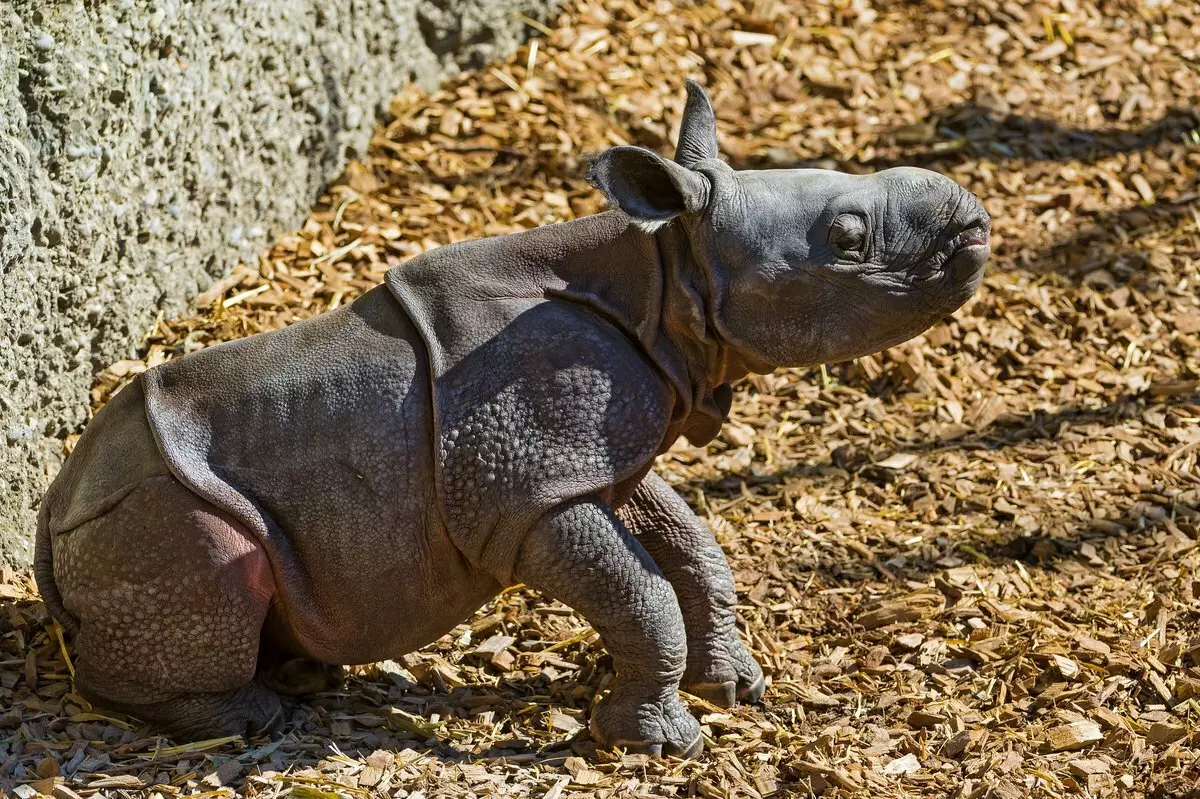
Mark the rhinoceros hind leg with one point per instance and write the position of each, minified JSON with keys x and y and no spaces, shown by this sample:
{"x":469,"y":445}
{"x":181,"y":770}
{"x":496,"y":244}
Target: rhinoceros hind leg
{"x":171,"y":594}
{"x":249,"y":711}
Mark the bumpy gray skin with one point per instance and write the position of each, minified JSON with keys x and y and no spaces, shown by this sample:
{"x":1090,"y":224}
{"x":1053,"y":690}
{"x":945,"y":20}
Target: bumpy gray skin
{"x":350,"y":488}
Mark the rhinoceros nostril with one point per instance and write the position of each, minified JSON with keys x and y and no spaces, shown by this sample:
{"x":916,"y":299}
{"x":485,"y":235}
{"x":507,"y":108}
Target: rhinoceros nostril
{"x":975,"y":223}
{"x":972,"y":231}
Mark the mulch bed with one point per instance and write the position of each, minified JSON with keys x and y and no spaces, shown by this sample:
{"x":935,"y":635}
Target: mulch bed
{"x":968,"y":564}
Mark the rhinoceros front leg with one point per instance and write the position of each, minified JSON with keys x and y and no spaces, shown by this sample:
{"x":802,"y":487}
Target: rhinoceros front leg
{"x":582,"y":555}
{"x":719,"y":667}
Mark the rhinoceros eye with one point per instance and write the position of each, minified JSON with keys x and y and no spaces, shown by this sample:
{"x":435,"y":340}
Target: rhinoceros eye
{"x":848,"y":235}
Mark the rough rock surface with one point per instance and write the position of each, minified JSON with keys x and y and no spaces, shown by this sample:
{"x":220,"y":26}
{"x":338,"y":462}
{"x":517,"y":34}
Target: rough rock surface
{"x":144,"y":150}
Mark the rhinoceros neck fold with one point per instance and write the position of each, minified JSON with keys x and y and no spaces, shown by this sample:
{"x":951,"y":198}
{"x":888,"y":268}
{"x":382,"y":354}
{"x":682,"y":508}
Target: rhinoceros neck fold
{"x":686,"y":319}
{"x":639,"y":282}
{"x":610,"y":266}
{"x":651,"y":286}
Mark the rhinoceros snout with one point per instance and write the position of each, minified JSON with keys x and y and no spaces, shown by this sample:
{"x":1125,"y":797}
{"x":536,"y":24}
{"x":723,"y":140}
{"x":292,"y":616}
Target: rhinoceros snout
{"x":968,"y":238}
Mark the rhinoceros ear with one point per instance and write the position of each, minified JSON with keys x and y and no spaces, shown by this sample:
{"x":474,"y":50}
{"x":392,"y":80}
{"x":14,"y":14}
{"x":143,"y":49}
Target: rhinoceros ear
{"x":698,"y":132}
{"x":647,"y":186}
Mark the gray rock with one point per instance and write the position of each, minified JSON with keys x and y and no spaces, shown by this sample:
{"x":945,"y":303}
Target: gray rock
{"x":139,"y":145}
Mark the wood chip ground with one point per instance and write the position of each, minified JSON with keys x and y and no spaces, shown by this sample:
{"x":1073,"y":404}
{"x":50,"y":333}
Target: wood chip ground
{"x":968,"y":565}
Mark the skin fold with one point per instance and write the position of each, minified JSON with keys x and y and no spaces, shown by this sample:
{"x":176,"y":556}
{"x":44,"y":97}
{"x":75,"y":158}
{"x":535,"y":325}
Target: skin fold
{"x":352,"y":487}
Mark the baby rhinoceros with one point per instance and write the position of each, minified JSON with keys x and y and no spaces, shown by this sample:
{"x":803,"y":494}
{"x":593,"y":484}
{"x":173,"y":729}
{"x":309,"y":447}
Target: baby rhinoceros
{"x":350,"y":488}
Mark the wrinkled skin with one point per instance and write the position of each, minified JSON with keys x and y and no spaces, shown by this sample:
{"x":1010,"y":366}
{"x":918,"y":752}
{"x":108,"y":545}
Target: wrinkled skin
{"x":350,"y":488}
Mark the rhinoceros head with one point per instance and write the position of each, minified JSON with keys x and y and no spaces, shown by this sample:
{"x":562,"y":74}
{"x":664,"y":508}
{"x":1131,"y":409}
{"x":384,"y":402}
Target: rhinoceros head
{"x":805,"y":266}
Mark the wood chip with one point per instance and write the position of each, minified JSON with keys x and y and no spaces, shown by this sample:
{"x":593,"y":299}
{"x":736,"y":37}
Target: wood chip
{"x":1076,"y":735}
{"x":1166,"y":733}
{"x":907,"y":764}
{"x":1084,"y":767}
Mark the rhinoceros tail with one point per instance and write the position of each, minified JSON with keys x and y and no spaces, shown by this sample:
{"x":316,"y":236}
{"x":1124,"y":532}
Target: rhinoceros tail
{"x":43,"y":572}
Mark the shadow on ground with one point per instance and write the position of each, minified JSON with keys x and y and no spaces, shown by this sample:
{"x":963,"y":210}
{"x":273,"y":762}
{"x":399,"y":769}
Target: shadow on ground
{"x":377,"y":708}
{"x":1113,"y":240}
{"x":993,"y":535}
{"x":969,"y":132}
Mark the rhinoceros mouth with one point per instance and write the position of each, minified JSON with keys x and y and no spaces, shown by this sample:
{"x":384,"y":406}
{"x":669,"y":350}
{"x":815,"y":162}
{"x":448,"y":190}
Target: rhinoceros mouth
{"x":976,"y":236}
